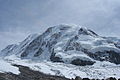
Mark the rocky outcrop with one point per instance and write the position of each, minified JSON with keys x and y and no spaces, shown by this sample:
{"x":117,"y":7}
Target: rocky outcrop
{"x":110,"y":56}
{"x":78,"y":78}
{"x":81,"y":62}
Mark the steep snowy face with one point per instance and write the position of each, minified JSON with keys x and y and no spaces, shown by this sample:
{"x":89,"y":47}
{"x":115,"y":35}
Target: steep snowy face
{"x":8,"y":50}
{"x":69,"y":44}
{"x":85,"y":31}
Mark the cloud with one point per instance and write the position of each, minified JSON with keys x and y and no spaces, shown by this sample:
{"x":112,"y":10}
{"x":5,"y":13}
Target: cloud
{"x":32,"y":16}
{"x":7,"y":38}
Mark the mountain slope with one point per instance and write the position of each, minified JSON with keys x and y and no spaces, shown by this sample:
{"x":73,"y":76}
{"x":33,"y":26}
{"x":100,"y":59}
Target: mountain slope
{"x":65,"y":50}
{"x":69,"y":44}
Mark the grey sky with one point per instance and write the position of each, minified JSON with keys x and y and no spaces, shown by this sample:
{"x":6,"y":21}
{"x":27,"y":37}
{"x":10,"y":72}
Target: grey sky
{"x":19,"y":18}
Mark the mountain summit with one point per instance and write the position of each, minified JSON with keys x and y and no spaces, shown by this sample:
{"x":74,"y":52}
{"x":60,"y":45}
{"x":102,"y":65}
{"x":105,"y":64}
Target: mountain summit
{"x":68,"y":44}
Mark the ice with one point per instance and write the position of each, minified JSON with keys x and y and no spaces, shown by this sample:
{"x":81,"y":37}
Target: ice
{"x":7,"y":67}
{"x":68,"y":42}
{"x":99,"y":70}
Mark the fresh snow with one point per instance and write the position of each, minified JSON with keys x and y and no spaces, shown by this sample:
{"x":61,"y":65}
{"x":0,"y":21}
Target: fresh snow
{"x":100,"y":70}
{"x":86,"y":40}
{"x":7,"y":67}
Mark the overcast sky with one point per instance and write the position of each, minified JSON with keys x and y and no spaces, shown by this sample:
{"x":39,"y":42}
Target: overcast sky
{"x":19,"y":18}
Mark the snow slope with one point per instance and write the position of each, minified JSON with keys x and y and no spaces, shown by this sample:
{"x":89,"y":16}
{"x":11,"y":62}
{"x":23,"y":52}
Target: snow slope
{"x":100,"y":70}
{"x":68,"y":44}
{"x":7,"y":67}
{"x":54,"y":52}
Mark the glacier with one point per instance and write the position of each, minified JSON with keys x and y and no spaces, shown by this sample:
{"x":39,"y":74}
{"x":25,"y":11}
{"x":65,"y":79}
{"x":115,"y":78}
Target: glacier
{"x":67,"y":50}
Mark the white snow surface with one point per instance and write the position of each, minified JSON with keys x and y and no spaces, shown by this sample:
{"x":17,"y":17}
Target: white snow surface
{"x":91,"y":42}
{"x":100,"y":70}
{"x":7,"y":67}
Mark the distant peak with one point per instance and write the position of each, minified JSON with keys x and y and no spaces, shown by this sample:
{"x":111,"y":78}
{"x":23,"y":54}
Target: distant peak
{"x":67,"y":26}
{"x":72,"y":27}
{"x":85,"y":31}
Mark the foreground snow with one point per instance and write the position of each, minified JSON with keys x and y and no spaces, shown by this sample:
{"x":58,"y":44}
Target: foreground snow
{"x":7,"y":67}
{"x":98,"y":70}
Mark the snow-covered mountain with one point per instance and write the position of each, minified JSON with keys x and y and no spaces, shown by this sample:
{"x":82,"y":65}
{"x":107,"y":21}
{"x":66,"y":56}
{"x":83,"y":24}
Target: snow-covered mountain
{"x":69,"y":44}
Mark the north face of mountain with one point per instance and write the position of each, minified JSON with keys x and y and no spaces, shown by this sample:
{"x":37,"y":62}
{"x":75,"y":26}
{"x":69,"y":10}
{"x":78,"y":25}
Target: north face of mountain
{"x":68,"y":44}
